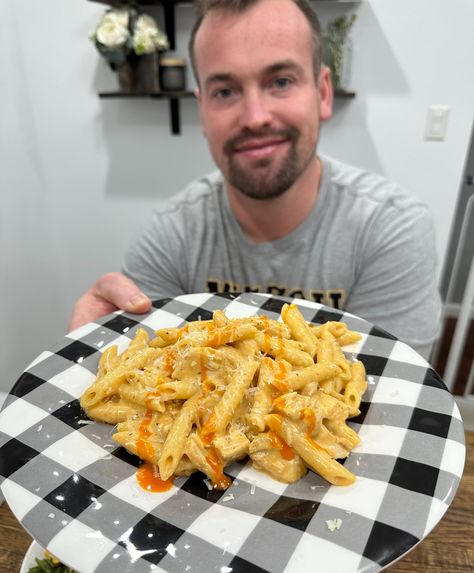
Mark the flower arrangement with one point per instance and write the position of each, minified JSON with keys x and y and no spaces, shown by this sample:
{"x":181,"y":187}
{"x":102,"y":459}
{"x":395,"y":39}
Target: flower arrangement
{"x":124,"y":32}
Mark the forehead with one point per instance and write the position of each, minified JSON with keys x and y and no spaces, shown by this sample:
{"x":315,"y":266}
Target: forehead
{"x":267,"y":32}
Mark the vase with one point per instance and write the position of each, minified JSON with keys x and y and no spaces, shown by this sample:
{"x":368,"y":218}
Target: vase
{"x":139,"y":74}
{"x":338,"y":57}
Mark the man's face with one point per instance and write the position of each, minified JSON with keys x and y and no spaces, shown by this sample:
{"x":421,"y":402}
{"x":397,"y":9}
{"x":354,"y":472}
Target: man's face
{"x":260,"y":103}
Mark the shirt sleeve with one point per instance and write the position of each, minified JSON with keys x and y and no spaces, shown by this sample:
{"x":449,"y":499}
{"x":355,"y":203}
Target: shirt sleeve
{"x":396,"y":282}
{"x":155,"y":260}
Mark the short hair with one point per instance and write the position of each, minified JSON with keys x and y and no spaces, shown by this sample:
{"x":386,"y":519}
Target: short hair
{"x":203,"y":7}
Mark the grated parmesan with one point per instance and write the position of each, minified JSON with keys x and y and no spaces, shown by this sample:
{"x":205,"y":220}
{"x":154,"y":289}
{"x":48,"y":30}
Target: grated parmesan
{"x":334,"y":524}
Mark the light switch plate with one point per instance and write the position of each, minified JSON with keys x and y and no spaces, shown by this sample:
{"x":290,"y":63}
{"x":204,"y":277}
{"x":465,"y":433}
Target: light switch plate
{"x":437,"y":122}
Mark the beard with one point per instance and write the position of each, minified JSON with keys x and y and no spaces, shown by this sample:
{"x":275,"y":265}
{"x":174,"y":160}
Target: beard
{"x":266,"y":179}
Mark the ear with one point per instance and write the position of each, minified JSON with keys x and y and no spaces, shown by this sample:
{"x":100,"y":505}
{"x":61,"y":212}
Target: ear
{"x":197,"y":93}
{"x":326,"y":93}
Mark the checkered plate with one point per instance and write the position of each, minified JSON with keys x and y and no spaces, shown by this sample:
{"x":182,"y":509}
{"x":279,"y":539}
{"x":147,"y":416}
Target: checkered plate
{"x":74,"y":490}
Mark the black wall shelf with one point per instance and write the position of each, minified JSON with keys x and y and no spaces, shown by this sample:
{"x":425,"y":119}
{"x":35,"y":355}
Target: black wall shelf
{"x":343,"y":94}
{"x":170,"y":31}
{"x":173,"y":97}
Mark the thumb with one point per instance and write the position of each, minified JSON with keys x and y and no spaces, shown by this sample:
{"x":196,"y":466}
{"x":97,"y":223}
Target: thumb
{"x":122,"y":292}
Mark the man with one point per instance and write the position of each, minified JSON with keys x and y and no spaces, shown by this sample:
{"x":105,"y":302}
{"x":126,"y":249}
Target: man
{"x":278,"y":217}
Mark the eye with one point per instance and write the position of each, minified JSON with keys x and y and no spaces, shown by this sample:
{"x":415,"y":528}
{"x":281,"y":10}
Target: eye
{"x":222,"y":93}
{"x":282,"y":83}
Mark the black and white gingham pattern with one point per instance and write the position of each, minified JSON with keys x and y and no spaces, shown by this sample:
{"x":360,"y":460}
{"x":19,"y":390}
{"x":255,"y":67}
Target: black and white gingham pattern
{"x":75,"y":491}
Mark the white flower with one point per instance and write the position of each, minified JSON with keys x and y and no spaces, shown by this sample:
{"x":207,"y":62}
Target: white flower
{"x":143,"y":43}
{"x":146,"y":24}
{"x":121,"y":17}
{"x":113,"y":29}
{"x":116,"y":41}
{"x":147,"y":37}
{"x":161,"y":40}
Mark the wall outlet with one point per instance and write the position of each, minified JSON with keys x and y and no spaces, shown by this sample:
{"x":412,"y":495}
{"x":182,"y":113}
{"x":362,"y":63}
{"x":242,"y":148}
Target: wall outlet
{"x":437,"y":122}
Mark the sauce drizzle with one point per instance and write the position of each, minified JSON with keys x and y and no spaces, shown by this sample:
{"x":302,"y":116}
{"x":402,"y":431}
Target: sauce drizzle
{"x":286,"y":452}
{"x":149,"y":478}
{"x":309,"y":418}
{"x":219,"y":479}
{"x":169,"y":362}
{"x":145,"y":450}
{"x":280,"y":377}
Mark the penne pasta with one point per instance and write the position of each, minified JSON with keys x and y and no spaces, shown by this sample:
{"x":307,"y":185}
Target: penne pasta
{"x":108,"y":361}
{"x":315,"y":456}
{"x":109,"y":384}
{"x":114,"y":411}
{"x":201,"y":396}
{"x":225,"y":408}
{"x":355,"y":388}
{"x":298,"y":327}
{"x":175,"y":443}
{"x":265,"y":391}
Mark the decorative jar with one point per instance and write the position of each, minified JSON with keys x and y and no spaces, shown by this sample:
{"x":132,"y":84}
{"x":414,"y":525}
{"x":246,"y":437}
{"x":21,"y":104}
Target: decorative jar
{"x":172,"y":75}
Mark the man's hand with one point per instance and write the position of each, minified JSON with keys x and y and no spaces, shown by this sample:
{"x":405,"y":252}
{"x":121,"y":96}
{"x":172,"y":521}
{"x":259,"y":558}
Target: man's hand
{"x":113,"y":291}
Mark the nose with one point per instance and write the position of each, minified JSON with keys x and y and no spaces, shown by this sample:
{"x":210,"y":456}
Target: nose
{"x":255,"y":112}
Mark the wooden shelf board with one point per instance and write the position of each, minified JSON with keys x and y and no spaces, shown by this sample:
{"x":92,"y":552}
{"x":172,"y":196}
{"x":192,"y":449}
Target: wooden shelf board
{"x":143,"y":2}
{"x":343,"y":94}
{"x":153,"y":95}
{"x":338,"y":94}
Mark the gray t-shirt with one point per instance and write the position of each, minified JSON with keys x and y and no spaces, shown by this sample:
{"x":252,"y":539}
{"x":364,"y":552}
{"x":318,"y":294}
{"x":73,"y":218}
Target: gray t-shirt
{"x":367,"y":247}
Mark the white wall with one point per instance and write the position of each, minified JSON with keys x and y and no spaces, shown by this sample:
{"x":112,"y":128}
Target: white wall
{"x":78,"y":174}
{"x":408,"y":55}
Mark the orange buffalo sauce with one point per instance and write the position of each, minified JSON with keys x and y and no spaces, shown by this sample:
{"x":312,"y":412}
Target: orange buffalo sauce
{"x":267,"y":339}
{"x":208,"y":431}
{"x":145,"y":450}
{"x":150,"y":396}
{"x":207,"y":385}
{"x":169,"y":361}
{"x":219,"y":479}
{"x":316,"y":445}
{"x":184,"y":330}
{"x":279,"y":402}
{"x":213,"y":337}
{"x":280,"y":377}
{"x":278,"y":443}
{"x":149,"y":478}
{"x":219,"y":336}
{"x":147,"y":474}
{"x":309,"y":418}
{"x":281,"y":346}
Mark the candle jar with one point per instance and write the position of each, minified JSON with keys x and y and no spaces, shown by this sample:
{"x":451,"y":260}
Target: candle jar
{"x":172,"y":75}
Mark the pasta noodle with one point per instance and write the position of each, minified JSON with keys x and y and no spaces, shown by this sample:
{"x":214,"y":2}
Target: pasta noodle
{"x":199,"y":397}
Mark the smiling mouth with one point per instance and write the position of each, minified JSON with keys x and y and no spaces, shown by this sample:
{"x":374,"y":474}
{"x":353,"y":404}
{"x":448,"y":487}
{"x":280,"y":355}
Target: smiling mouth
{"x":259,"y":148}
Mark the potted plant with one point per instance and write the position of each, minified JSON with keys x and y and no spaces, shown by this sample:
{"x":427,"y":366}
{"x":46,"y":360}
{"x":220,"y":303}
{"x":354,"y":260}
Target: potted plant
{"x":130,"y":42}
{"x":336,"y":49}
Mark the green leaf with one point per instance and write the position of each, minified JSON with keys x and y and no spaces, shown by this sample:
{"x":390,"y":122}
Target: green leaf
{"x":47,"y":566}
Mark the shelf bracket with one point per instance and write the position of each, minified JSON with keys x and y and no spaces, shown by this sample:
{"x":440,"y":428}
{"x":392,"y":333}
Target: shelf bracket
{"x":168,"y":8}
{"x":174,"y":116}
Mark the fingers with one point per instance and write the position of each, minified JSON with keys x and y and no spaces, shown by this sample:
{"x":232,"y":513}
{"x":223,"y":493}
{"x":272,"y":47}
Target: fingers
{"x":88,"y":308}
{"x":113,"y":291}
{"x":122,"y":292}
